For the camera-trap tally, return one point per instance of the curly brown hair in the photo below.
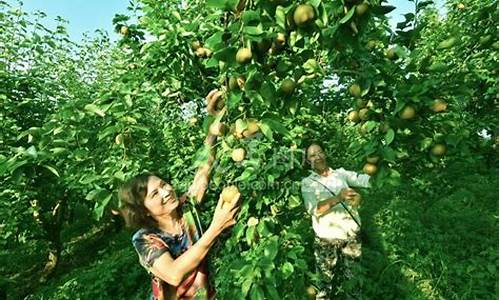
(132, 194)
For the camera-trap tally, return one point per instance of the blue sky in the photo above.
(89, 15)
(82, 15)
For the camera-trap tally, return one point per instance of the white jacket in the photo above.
(336, 223)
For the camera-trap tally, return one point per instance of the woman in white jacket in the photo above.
(332, 204)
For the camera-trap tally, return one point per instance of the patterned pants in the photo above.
(334, 263)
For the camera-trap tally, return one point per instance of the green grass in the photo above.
(442, 246)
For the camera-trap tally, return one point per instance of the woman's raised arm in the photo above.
(202, 176)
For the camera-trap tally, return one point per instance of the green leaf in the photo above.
(211, 63)
(217, 4)
(94, 109)
(276, 126)
(348, 16)
(262, 228)
(395, 178)
(311, 66)
(57, 150)
(106, 132)
(201, 155)
(383, 9)
(227, 55)
(287, 269)
(51, 169)
(266, 130)
(280, 17)
(256, 293)
(31, 152)
(399, 105)
(448, 43)
(388, 154)
(213, 41)
(272, 291)
(437, 67)
(425, 143)
(250, 16)
(13, 164)
(271, 249)
(452, 139)
(389, 136)
(370, 125)
(253, 30)
(88, 178)
(268, 92)
(323, 14)
(249, 235)
(423, 4)
(314, 3)
(233, 100)
(93, 194)
(100, 205)
(246, 285)
(294, 201)
(247, 173)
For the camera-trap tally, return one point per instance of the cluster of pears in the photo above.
(362, 112)
(199, 50)
(408, 112)
(302, 16)
(370, 166)
(242, 128)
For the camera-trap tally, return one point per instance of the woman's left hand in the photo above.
(356, 200)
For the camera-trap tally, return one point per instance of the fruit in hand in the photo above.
(229, 194)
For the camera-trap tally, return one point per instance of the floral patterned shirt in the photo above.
(151, 243)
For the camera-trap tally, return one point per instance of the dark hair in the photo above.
(132, 194)
(314, 142)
